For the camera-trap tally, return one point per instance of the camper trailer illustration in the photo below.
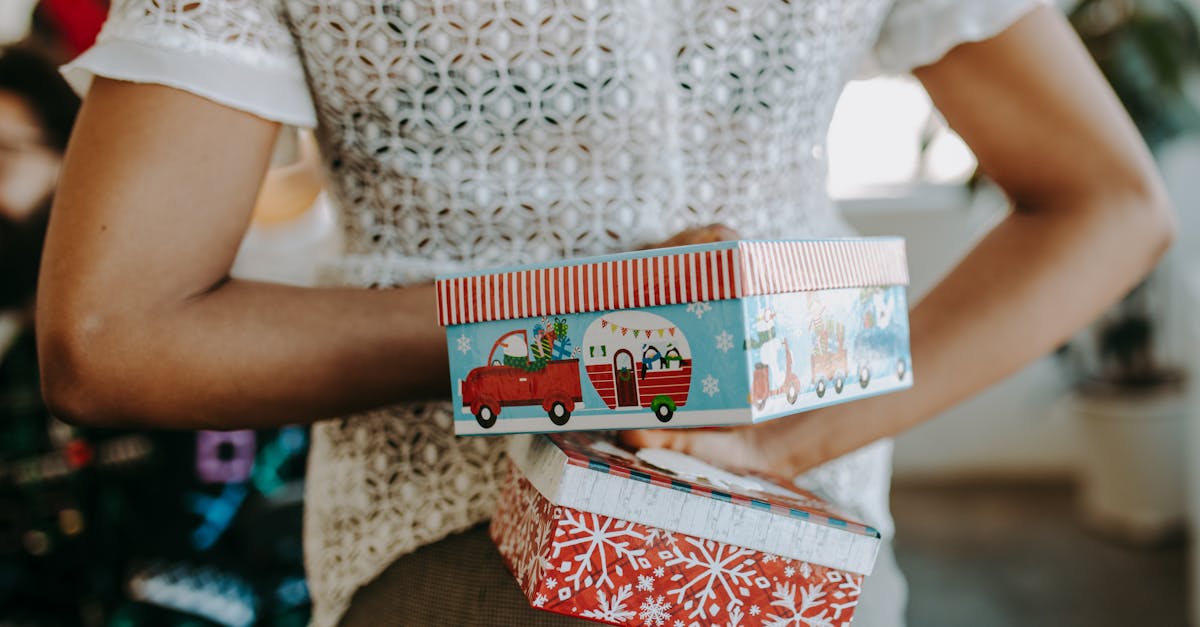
(524, 372)
(637, 359)
(773, 370)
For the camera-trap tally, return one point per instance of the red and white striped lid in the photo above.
(670, 276)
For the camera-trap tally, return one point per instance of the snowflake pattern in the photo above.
(811, 599)
(624, 573)
(612, 608)
(699, 309)
(719, 569)
(724, 342)
(846, 593)
(655, 611)
(607, 543)
(735, 617)
(654, 534)
(710, 385)
(464, 344)
(521, 524)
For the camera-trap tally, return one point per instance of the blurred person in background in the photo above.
(462, 135)
(84, 511)
(41, 565)
(37, 110)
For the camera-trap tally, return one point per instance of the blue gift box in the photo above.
(717, 334)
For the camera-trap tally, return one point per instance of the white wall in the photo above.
(1013, 428)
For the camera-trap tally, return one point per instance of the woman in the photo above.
(465, 134)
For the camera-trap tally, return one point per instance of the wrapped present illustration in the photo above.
(658, 538)
(717, 334)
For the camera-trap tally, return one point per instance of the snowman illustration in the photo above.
(769, 344)
(774, 357)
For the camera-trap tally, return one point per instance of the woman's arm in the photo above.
(138, 321)
(1090, 220)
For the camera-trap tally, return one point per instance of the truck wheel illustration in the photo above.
(485, 416)
(558, 412)
(793, 392)
(821, 387)
(663, 408)
(839, 382)
(901, 369)
(864, 376)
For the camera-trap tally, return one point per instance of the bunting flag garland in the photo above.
(615, 328)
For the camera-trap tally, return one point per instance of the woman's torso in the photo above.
(477, 134)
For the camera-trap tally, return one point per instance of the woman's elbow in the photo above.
(76, 374)
(1134, 209)
(67, 399)
(1164, 225)
(1151, 222)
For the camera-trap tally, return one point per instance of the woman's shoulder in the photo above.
(251, 30)
(240, 53)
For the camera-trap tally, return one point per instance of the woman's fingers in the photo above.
(656, 438)
(699, 235)
(727, 448)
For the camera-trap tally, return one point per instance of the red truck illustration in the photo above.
(513, 378)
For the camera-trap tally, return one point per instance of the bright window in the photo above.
(876, 137)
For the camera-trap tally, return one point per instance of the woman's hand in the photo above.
(735, 448)
(783, 448)
(698, 235)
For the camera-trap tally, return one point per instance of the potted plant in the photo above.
(1131, 414)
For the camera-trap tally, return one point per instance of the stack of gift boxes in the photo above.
(722, 334)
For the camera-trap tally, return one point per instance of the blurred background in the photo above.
(1062, 496)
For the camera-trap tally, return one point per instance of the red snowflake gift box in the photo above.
(661, 539)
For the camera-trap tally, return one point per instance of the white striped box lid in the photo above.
(669, 276)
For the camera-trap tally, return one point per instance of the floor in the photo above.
(1003, 555)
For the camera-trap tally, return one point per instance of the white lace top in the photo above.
(466, 133)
